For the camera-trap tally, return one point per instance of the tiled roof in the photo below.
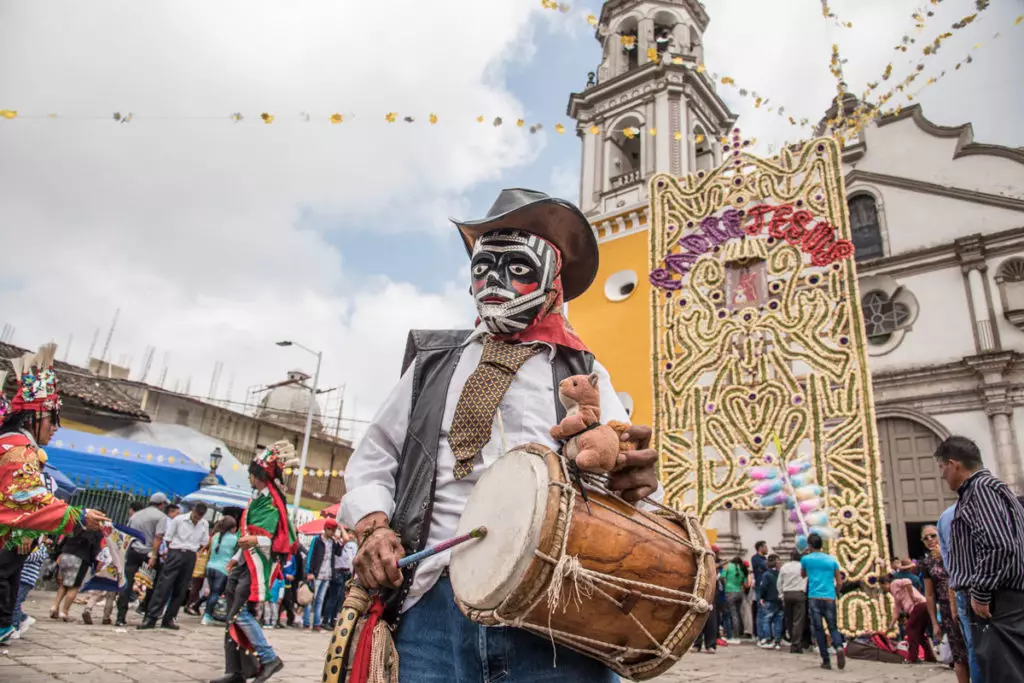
(79, 383)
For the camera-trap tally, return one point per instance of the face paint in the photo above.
(512, 273)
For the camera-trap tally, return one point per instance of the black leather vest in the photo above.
(436, 353)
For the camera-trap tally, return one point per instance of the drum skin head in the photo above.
(510, 499)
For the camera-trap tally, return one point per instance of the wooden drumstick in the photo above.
(478, 532)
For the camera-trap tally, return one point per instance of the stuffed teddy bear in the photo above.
(620, 429)
(591, 445)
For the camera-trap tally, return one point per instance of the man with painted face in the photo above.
(439, 430)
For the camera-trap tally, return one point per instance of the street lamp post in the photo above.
(211, 478)
(309, 427)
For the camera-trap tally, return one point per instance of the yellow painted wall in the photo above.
(619, 333)
(79, 427)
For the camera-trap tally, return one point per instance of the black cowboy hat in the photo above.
(555, 220)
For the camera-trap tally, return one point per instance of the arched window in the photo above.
(629, 43)
(1010, 280)
(664, 25)
(867, 233)
(626, 152)
(702, 147)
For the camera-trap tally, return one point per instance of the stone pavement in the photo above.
(55, 651)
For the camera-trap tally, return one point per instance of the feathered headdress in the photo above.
(37, 382)
(274, 459)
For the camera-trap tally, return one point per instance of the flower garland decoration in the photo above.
(758, 339)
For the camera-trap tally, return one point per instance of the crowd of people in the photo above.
(529, 255)
(966, 593)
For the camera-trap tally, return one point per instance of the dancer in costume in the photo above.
(410, 478)
(266, 540)
(28, 508)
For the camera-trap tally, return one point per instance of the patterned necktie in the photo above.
(481, 395)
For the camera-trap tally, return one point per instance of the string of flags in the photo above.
(843, 125)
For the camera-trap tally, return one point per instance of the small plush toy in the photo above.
(620, 429)
(591, 445)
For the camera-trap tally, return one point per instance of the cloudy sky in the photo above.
(214, 238)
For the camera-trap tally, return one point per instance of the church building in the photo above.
(937, 221)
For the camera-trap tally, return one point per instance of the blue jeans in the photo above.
(825, 609)
(316, 607)
(437, 644)
(19, 616)
(762, 628)
(335, 597)
(251, 628)
(773, 622)
(963, 611)
(218, 582)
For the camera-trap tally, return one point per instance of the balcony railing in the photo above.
(625, 179)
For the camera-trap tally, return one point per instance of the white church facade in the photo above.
(938, 223)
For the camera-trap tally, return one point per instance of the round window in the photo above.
(621, 285)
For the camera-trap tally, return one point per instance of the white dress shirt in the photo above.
(182, 534)
(527, 413)
(790, 580)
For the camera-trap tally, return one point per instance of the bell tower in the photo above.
(650, 107)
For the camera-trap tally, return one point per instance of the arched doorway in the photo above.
(914, 492)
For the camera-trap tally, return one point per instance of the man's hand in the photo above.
(94, 518)
(25, 546)
(310, 578)
(634, 476)
(246, 542)
(376, 562)
(981, 610)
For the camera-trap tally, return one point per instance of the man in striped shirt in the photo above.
(986, 558)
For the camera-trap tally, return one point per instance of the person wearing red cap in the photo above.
(323, 550)
(28, 508)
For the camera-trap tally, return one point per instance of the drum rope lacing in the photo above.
(584, 583)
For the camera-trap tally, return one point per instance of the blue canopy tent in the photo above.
(102, 462)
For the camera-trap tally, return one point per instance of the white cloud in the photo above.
(191, 227)
(784, 55)
(565, 181)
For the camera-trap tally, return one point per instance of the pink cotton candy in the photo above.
(798, 466)
(768, 486)
(810, 505)
(760, 473)
(772, 500)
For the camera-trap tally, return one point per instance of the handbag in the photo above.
(945, 654)
(304, 595)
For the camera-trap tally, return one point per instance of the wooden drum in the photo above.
(628, 587)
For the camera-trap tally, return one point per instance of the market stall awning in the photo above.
(94, 461)
(223, 497)
(196, 445)
(219, 497)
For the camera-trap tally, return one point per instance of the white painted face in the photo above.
(512, 272)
